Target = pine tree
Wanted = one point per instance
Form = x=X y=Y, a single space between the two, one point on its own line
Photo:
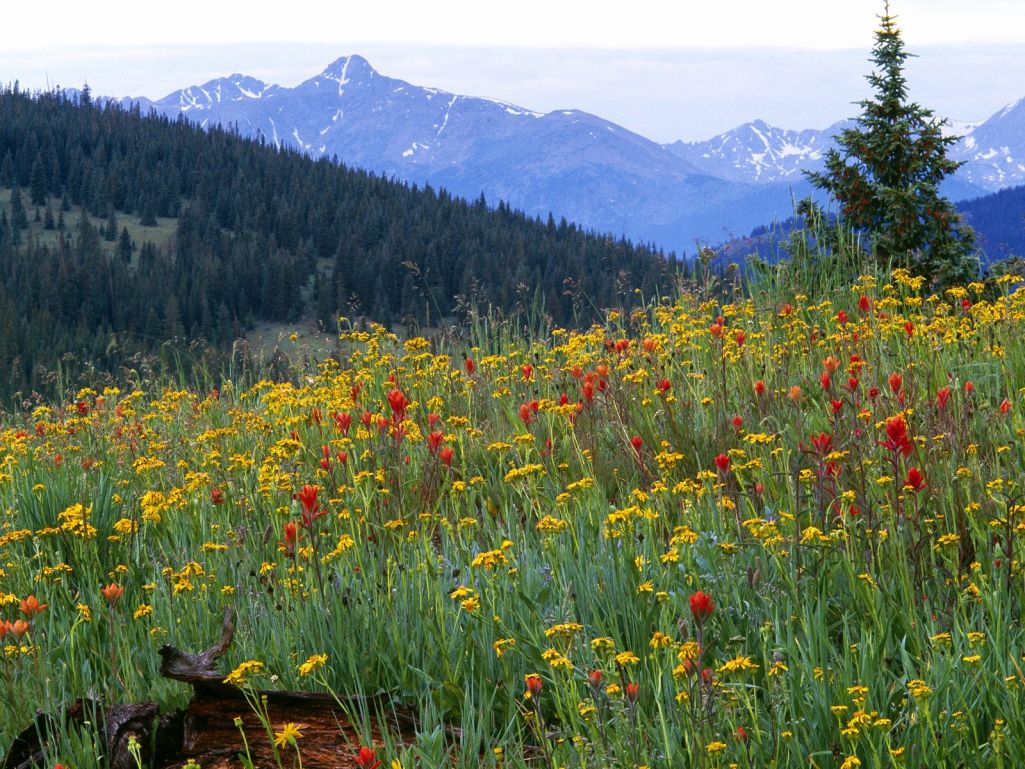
x=887 y=171
x=125 y=247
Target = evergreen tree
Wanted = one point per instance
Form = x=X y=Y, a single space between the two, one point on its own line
x=125 y=247
x=887 y=171
x=19 y=219
x=110 y=229
x=147 y=212
x=37 y=181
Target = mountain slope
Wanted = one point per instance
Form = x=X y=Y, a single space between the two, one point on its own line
x=994 y=151
x=250 y=234
x=999 y=222
x=566 y=162
x=570 y=163
x=758 y=152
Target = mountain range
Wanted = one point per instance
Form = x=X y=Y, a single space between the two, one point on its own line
x=570 y=163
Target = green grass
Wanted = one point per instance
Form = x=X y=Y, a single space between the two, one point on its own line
x=857 y=621
x=160 y=235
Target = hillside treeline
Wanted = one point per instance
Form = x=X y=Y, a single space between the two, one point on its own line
x=261 y=234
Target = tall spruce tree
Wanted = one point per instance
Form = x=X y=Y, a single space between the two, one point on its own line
x=886 y=173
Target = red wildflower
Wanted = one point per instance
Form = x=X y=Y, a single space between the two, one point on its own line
x=594 y=678
x=18 y=628
x=308 y=499
x=528 y=372
x=637 y=443
x=822 y=443
x=722 y=462
x=216 y=496
x=739 y=338
x=112 y=593
x=663 y=385
x=31 y=606
x=398 y=402
x=291 y=535
x=915 y=479
x=701 y=606
x=738 y=423
x=445 y=455
x=897 y=436
x=534 y=684
x=632 y=692
x=434 y=441
x=1005 y=406
x=864 y=304
x=841 y=318
x=366 y=758
x=896 y=382
x=587 y=388
x=342 y=421
x=526 y=414
x=759 y=388
x=469 y=365
x=942 y=396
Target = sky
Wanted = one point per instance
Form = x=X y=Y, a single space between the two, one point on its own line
x=668 y=69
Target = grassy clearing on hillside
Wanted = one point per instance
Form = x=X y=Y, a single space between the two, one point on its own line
x=160 y=235
x=779 y=532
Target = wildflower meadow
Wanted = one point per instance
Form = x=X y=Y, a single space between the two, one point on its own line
x=770 y=530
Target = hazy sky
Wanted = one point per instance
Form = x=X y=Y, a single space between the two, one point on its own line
x=666 y=68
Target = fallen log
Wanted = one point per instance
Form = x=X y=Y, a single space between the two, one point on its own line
x=220 y=728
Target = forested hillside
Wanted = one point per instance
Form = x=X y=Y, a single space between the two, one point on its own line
x=119 y=231
x=999 y=222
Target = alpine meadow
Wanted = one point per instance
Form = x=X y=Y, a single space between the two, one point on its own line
x=303 y=465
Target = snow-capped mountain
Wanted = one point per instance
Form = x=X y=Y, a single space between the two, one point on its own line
x=567 y=162
x=760 y=153
x=993 y=152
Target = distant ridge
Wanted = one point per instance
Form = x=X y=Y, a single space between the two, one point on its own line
x=566 y=162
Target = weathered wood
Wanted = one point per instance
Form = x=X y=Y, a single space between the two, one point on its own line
x=212 y=738
x=207 y=731
x=198 y=667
